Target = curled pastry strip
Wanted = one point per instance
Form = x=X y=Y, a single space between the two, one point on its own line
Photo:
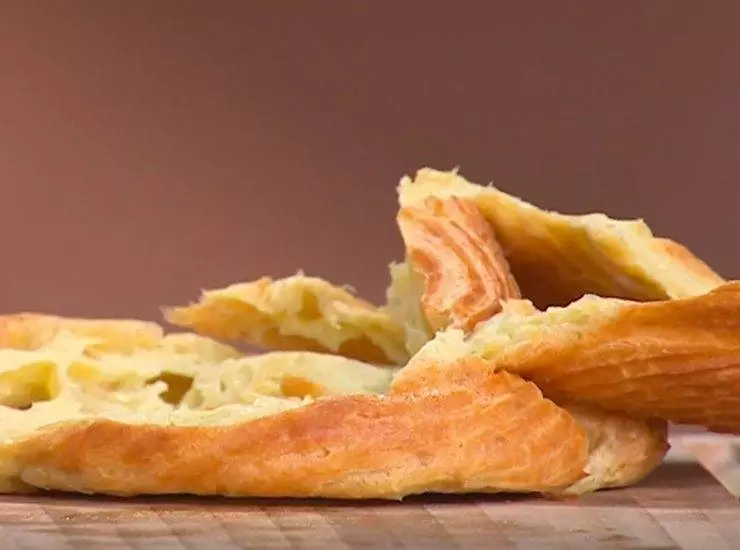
x=678 y=360
x=622 y=450
x=449 y=242
x=500 y=434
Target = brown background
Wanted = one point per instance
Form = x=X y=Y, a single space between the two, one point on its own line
x=151 y=148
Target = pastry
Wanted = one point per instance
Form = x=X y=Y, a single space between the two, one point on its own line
x=403 y=305
x=557 y=258
x=207 y=349
x=33 y=330
x=285 y=374
x=465 y=381
x=296 y=313
x=623 y=449
x=491 y=432
x=453 y=249
x=674 y=359
x=463 y=266
x=110 y=410
x=60 y=381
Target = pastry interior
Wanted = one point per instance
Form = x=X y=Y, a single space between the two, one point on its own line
x=175 y=383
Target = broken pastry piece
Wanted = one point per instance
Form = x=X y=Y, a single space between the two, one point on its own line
x=452 y=247
x=296 y=313
x=178 y=383
x=678 y=360
x=463 y=268
x=31 y=331
x=294 y=424
x=183 y=376
x=27 y=377
x=499 y=434
x=622 y=450
x=455 y=273
x=557 y=258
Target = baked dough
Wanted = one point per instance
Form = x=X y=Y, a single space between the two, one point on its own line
x=206 y=349
x=462 y=269
x=296 y=313
x=465 y=275
x=403 y=304
x=118 y=407
x=675 y=359
x=32 y=330
x=252 y=439
x=557 y=258
x=622 y=449
x=489 y=432
x=60 y=381
x=285 y=374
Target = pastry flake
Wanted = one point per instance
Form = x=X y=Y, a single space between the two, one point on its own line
x=450 y=244
x=296 y=313
x=557 y=258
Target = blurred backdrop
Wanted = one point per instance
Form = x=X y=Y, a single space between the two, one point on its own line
x=151 y=149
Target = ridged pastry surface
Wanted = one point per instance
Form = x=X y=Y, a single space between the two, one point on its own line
x=452 y=246
x=675 y=359
x=623 y=449
x=498 y=434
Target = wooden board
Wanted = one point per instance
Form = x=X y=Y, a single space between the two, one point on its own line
x=679 y=506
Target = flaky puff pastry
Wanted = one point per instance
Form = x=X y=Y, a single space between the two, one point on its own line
x=452 y=247
x=558 y=258
x=623 y=449
x=462 y=265
x=30 y=331
x=676 y=359
x=296 y=313
x=489 y=432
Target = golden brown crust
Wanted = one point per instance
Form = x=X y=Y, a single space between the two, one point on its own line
x=468 y=423
x=677 y=359
x=30 y=331
x=504 y=437
x=296 y=313
x=466 y=276
x=622 y=449
x=558 y=258
x=457 y=254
